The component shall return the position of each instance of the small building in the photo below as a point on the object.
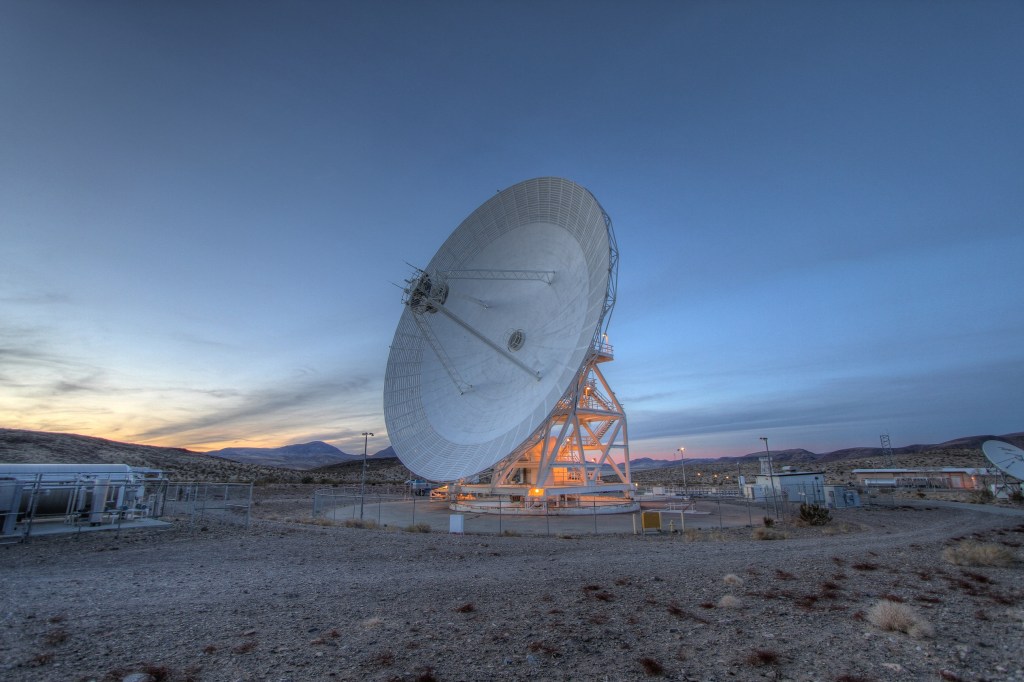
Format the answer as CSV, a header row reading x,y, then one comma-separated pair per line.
x,y
949,478
841,497
790,486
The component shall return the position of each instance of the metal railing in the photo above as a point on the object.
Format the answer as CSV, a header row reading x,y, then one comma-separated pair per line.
x,y
72,502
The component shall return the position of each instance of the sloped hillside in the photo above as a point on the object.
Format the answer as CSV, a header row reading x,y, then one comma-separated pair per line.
x,y
36,447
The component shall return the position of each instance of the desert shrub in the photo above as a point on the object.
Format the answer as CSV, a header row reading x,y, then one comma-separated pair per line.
x,y
768,521
418,528
1017,497
729,602
55,637
383,659
425,674
896,617
308,479
762,657
360,523
509,533
968,553
767,534
733,579
41,659
814,514
983,496
652,667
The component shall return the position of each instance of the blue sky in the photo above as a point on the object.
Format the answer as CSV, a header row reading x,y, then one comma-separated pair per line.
x,y
204,205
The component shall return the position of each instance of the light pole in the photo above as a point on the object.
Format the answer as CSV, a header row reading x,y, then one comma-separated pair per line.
x,y
771,476
362,484
682,464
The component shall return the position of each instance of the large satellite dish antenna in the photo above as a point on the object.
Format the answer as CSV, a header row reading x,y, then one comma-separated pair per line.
x,y
1007,458
498,345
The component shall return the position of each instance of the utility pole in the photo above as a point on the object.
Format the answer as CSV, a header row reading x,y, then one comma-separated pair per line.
x,y
362,484
682,463
771,476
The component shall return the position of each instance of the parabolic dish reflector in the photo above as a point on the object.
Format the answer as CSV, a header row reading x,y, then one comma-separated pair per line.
x,y
497,326
1007,458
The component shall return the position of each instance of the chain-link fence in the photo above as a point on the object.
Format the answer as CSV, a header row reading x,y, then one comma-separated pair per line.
x,y
58,502
399,509
201,501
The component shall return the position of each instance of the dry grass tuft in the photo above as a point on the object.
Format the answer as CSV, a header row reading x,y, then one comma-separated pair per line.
x,y
244,647
466,608
896,617
418,528
733,580
729,602
542,647
968,553
767,534
864,566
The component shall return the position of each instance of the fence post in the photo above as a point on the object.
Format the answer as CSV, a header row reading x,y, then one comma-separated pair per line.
x,y
595,514
248,507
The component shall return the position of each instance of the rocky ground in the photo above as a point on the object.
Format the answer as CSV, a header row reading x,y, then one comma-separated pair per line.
x,y
289,600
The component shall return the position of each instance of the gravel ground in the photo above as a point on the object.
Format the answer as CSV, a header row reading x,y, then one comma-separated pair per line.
x,y
286,600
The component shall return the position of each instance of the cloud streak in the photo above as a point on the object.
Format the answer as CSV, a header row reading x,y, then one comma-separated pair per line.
x,y
900,402
260,410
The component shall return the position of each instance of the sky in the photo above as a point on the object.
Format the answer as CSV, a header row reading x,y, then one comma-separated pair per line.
x,y
819,207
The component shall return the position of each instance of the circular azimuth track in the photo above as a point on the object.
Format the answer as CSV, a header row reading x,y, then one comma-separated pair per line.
x,y
497,326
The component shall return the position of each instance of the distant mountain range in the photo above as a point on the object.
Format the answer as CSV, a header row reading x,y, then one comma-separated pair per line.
x,y
800,456
293,461
301,456
317,454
